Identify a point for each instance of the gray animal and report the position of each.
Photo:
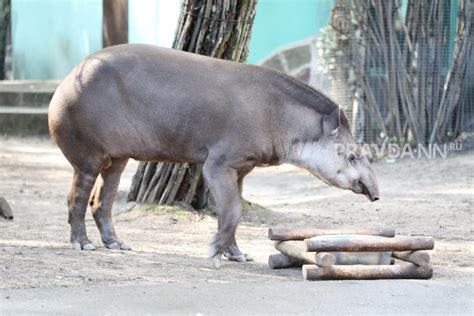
(156, 104)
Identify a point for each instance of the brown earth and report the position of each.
(419, 197)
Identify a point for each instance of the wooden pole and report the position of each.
(115, 22)
(324, 259)
(362, 272)
(373, 244)
(305, 233)
(420, 258)
(295, 249)
(5, 35)
(282, 261)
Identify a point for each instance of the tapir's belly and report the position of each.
(163, 130)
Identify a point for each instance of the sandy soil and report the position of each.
(422, 197)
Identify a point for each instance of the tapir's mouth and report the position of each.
(367, 192)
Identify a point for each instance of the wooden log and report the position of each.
(282, 261)
(305, 233)
(372, 244)
(324, 259)
(295, 249)
(420, 258)
(362, 272)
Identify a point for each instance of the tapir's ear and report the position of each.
(331, 123)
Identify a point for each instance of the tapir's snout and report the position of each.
(367, 187)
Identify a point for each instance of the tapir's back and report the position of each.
(145, 102)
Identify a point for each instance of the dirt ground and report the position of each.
(419, 197)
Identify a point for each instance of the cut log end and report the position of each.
(282, 261)
(324, 259)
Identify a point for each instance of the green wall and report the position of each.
(51, 36)
(279, 23)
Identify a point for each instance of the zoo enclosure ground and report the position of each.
(420, 197)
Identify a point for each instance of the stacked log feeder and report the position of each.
(351, 253)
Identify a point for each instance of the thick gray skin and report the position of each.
(156, 104)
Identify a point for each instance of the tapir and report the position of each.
(156, 104)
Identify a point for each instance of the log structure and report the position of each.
(361, 272)
(305, 233)
(351, 253)
(373, 244)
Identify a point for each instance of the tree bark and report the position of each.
(115, 22)
(219, 29)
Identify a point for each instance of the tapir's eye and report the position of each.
(352, 158)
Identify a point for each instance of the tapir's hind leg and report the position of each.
(101, 202)
(232, 252)
(82, 184)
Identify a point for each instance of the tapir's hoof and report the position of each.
(118, 245)
(216, 261)
(77, 246)
(248, 257)
(238, 256)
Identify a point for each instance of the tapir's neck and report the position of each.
(303, 95)
(298, 115)
(305, 155)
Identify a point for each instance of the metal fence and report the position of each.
(402, 70)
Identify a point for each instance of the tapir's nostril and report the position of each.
(375, 198)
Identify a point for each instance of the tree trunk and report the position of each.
(115, 22)
(5, 29)
(219, 29)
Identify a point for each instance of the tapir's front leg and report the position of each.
(222, 182)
